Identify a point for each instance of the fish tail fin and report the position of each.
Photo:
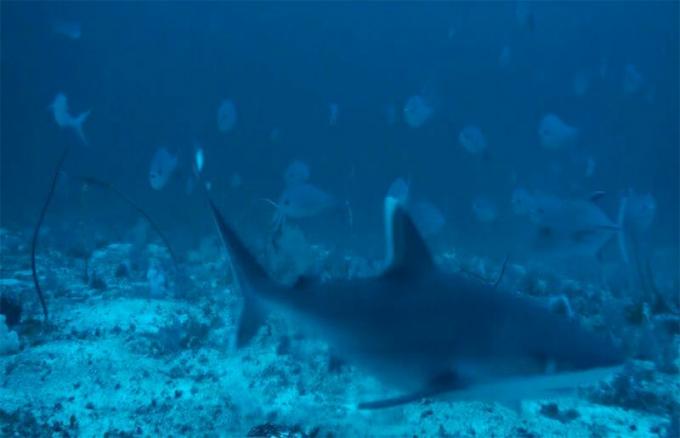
(78, 125)
(621, 234)
(249, 275)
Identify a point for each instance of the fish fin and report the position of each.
(305, 281)
(596, 196)
(441, 383)
(406, 249)
(248, 274)
(621, 235)
(78, 125)
(251, 319)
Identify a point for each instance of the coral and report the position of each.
(9, 340)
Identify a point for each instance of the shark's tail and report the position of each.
(249, 275)
(78, 125)
(621, 234)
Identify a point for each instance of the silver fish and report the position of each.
(570, 227)
(163, 165)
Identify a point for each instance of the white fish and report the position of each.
(64, 119)
(472, 139)
(427, 217)
(554, 133)
(333, 113)
(297, 172)
(632, 80)
(199, 158)
(571, 227)
(484, 209)
(505, 57)
(399, 189)
(417, 111)
(301, 201)
(163, 165)
(69, 29)
(304, 200)
(226, 115)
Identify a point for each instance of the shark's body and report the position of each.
(417, 328)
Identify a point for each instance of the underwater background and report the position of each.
(304, 115)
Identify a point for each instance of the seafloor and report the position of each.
(133, 349)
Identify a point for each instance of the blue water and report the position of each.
(154, 74)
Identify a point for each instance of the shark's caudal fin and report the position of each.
(78, 125)
(407, 252)
(248, 274)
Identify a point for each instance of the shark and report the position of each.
(425, 332)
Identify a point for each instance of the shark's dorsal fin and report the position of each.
(407, 252)
(596, 196)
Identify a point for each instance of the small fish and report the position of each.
(199, 158)
(297, 172)
(399, 190)
(632, 80)
(226, 115)
(300, 201)
(69, 29)
(163, 165)
(64, 119)
(571, 227)
(417, 111)
(472, 139)
(554, 133)
(333, 113)
(484, 209)
(428, 218)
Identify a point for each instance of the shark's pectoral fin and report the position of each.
(407, 252)
(441, 383)
(252, 318)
